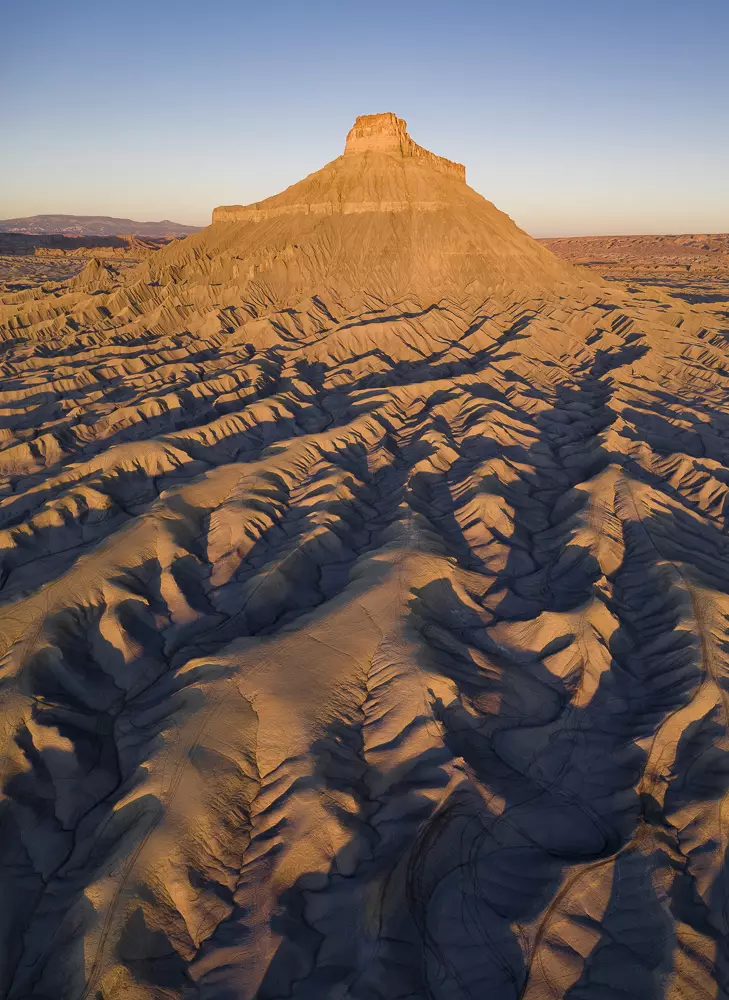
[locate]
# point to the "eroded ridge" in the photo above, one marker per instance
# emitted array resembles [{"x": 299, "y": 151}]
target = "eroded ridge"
[{"x": 388, "y": 659}]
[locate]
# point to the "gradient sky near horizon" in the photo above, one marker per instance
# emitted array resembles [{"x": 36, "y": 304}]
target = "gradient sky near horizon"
[{"x": 573, "y": 116}]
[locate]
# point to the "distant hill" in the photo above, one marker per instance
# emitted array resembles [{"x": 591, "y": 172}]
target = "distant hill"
[{"x": 92, "y": 225}]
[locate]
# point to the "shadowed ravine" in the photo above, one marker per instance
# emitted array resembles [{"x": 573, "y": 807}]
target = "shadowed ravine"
[{"x": 362, "y": 645}]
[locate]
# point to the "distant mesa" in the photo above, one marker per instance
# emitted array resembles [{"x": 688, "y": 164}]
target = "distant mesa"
[{"x": 92, "y": 225}]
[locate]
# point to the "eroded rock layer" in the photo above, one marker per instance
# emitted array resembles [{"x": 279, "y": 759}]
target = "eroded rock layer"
[
  {"x": 388, "y": 133},
  {"x": 364, "y": 621}
]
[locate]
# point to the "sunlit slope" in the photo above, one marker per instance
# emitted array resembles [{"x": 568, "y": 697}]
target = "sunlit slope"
[{"x": 370, "y": 227}]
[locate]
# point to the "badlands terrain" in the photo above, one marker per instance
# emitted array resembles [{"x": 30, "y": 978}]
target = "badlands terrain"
[
  {"x": 365, "y": 607},
  {"x": 27, "y": 261},
  {"x": 692, "y": 267}
]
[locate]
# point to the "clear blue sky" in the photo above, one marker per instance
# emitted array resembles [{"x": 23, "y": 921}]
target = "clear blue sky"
[{"x": 574, "y": 116}]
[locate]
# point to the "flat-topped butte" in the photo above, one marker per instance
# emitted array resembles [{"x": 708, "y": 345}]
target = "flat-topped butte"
[{"x": 383, "y": 137}]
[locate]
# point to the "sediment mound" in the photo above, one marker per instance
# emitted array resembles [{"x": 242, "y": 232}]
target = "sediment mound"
[{"x": 365, "y": 606}]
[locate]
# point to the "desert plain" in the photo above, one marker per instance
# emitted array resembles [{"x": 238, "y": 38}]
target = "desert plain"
[{"x": 364, "y": 619}]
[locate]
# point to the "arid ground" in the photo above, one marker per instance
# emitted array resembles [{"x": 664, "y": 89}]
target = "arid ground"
[
  {"x": 365, "y": 604},
  {"x": 692, "y": 267}
]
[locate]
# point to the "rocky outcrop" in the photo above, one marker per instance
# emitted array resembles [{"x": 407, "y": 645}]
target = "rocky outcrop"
[
  {"x": 386, "y": 133},
  {"x": 252, "y": 213}
]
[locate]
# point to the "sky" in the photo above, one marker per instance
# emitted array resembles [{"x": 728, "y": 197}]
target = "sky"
[{"x": 573, "y": 117}]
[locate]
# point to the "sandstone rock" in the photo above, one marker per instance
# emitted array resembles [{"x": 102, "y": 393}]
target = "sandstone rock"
[{"x": 386, "y": 133}]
